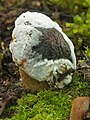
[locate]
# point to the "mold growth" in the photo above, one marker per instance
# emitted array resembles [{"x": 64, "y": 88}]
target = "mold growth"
[{"x": 48, "y": 52}]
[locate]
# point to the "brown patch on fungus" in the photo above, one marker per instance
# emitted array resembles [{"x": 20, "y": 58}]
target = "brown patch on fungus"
[
  {"x": 52, "y": 45},
  {"x": 21, "y": 63}
]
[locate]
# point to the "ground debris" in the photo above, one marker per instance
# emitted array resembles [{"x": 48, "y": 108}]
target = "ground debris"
[
  {"x": 84, "y": 70},
  {"x": 4, "y": 101}
]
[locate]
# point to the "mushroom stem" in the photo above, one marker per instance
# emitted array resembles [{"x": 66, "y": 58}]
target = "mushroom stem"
[{"x": 32, "y": 84}]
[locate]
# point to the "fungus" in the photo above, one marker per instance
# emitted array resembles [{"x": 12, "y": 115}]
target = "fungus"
[{"x": 42, "y": 51}]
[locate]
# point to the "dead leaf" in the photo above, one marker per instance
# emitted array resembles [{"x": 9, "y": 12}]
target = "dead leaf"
[{"x": 79, "y": 108}]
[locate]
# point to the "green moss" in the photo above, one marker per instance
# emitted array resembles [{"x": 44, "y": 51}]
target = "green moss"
[
  {"x": 70, "y": 6},
  {"x": 79, "y": 31},
  {"x": 50, "y": 105},
  {"x": 87, "y": 51},
  {"x": 80, "y": 25},
  {"x": 80, "y": 86}
]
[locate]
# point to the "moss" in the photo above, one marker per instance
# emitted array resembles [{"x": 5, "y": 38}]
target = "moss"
[
  {"x": 70, "y": 6},
  {"x": 80, "y": 86},
  {"x": 79, "y": 31},
  {"x": 87, "y": 51},
  {"x": 50, "y": 105}
]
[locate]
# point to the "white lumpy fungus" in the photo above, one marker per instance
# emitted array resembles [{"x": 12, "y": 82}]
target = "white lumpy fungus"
[{"x": 47, "y": 51}]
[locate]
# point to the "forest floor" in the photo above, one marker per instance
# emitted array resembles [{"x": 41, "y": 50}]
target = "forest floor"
[{"x": 11, "y": 87}]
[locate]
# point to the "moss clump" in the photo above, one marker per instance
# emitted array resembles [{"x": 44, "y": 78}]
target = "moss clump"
[
  {"x": 80, "y": 25},
  {"x": 70, "y": 6},
  {"x": 80, "y": 86},
  {"x": 79, "y": 31},
  {"x": 50, "y": 105}
]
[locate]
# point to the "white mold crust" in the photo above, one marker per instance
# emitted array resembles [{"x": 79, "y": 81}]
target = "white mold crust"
[{"x": 25, "y": 36}]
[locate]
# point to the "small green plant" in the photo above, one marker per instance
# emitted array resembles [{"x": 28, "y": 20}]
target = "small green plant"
[
  {"x": 87, "y": 51},
  {"x": 1, "y": 56}
]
